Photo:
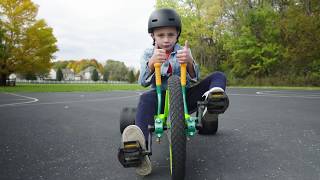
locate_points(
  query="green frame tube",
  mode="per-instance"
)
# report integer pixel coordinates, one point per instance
(160, 120)
(158, 89)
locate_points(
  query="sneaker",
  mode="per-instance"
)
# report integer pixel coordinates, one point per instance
(217, 100)
(214, 90)
(134, 133)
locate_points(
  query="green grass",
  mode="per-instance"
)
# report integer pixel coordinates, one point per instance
(70, 87)
(277, 87)
(111, 87)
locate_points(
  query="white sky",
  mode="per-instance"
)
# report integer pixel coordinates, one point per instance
(100, 29)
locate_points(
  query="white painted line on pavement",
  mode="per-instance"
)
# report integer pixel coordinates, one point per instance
(288, 94)
(282, 95)
(31, 100)
(90, 100)
(67, 102)
(258, 94)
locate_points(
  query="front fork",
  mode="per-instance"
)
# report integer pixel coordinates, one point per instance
(160, 123)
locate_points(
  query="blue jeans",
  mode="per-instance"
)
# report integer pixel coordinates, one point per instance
(147, 106)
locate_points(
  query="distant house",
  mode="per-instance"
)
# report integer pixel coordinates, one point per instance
(78, 77)
(68, 74)
(87, 73)
(52, 74)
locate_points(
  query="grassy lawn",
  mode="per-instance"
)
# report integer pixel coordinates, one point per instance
(70, 87)
(109, 87)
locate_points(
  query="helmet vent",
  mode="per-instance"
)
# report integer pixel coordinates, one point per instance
(154, 20)
(171, 19)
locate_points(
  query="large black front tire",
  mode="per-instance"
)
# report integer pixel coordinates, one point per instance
(127, 117)
(177, 131)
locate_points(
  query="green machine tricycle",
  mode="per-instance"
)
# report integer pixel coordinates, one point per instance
(175, 122)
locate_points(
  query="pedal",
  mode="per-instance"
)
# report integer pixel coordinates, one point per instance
(131, 154)
(217, 103)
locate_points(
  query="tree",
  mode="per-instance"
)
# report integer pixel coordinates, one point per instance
(137, 75)
(30, 76)
(79, 65)
(254, 39)
(301, 39)
(29, 44)
(95, 75)
(37, 49)
(59, 75)
(256, 50)
(117, 70)
(3, 75)
(131, 76)
(106, 76)
(60, 64)
(2, 41)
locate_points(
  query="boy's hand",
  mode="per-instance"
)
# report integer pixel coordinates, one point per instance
(159, 56)
(184, 55)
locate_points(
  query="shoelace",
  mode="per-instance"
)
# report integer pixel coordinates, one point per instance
(206, 94)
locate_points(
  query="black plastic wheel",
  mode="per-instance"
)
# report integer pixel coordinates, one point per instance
(209, 124)
(127, 117)
(177, 136)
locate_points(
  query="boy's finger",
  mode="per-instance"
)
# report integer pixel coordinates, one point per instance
(186, 45)
(180, 51)
(159, 51)
(181, 55)
(162, 51)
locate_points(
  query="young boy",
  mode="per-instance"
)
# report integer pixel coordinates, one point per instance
(165, 27)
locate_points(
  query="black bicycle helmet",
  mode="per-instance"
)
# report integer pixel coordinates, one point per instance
(164, 17)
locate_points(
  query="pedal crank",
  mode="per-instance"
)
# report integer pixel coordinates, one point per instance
(131, 154)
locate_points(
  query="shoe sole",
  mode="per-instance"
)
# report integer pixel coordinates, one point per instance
(134, 133)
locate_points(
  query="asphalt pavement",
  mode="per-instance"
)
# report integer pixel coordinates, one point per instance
(265, 134)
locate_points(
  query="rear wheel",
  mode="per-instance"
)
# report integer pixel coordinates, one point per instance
(177, 137)
(127, 117)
